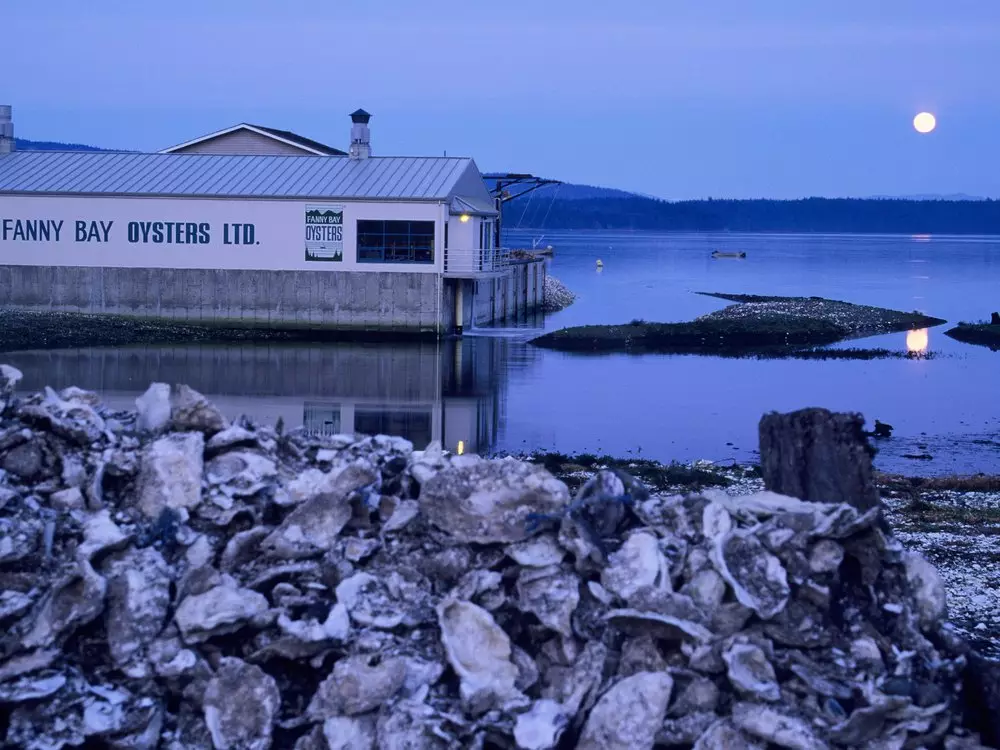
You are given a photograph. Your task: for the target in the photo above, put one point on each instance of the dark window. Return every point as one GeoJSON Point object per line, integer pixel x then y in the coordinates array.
{"type": "Point", "coordinates": [396, 241]}
{"type": "Point", "coordinates": [415, 426]}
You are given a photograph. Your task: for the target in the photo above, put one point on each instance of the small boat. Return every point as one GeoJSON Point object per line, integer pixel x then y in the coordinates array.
{"type": "Point", "coordinates": [726, 254]}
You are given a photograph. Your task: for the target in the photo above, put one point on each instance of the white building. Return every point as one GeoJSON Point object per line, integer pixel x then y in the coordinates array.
{"type": "Point", "coordinates": [257, 227]}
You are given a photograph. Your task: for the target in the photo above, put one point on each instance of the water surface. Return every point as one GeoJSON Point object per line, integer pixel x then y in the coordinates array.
{"type": "Point", "coordinates": [494, 392]}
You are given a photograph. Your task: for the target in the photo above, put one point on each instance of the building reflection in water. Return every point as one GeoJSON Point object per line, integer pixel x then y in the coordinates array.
{"type": "Point", "coordinates": [452, 391]}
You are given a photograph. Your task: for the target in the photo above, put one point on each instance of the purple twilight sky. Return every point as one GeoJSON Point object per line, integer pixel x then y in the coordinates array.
{"type": "Point", "coordinates": [723, 98]}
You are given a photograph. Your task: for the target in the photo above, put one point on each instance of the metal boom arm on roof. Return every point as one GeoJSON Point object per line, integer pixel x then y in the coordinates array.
{"type": "Point", "coordinates": [524, 183]}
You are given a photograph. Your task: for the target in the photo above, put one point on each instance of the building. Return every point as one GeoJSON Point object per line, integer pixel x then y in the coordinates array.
{"type": "Point", "coordinates": [257, 227]}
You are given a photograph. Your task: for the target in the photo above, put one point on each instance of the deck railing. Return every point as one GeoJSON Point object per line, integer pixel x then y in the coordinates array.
{"type": "Point", "coordinates": [465, 260]}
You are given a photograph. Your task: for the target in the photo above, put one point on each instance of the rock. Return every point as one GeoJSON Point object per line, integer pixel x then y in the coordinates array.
{"type": "Point", "coordinates": [928, 590]}
{"type": "Point", "coordinates": [775, 727]}
{"type": "Point", "coordinates": [826, 556]}
{"type": "Point", "coordinates": [637, 622]}
{"type": "Point", "coordinates": [349, 733]}
{"type": "Point", "coordinates": [629, 714]}
{"type": "Point", "coordinates": [722, 735]}
{"type": "Point", "coordinates": [751, 673]}
{"type": "Point", "coordinates": [153, 409]}
{"type": "Point", "coordinates": [170, 476]}
{"type": "Point", "coordinates": [555, 295]}
{"type": "Point", "coordinates": [31, 688]}
{"type": "Point", "coordinates": [336, 626]}
{"type": "Point", "coordinates": [539, 551]}
{"type": "Point", "coordinates": [700, 696]}
{"type": "Point", "coordinates": [637, 565]}
{"type": "Point", "coordinates": [376, 596]}
{"type": "Point", "coordinates": [357, 685]}
{"type": "Point", "coordinates": [230, 437]}
{"type": "Point", "coordinates": [551, 595]}
{"type": "Point", "coordinates": [757, 577]}
{"type": "Point", "coordinates": [313, 526]}
{"type": "Point", "coordinates": [222, 609]}
{"type": "Point", "coordinates": [76, 600]}
{"type": "Point", "coordinates": [541, 726]}
{"type": "Point", "coordinates": [73, 419]}
{"type": "Point", "coordinates": [189, 410]}
{"type": "Point", "coordinates": [68, 499]}
{"type": "Point", "coordinates": [243, 548]}
{"type": "Point", "coordinates": [241, 706]}
{"type": "Point", "coordinates": [9, 378]}
{"type": "Point", "coordinates": [138, 605]}
{"type": "Point", "coordinates": [384, 603]}
{"type": "Point", "coordinates": [479, 651]}
{"type": "Point", "coordinates": [24, 461]}
{"type": "Point", "coordinates": [240, 473]}
{"type": "Point", "coordinates": [490, 501]}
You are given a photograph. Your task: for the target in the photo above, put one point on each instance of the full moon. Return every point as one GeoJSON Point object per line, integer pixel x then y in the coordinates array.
{"type": "Point", "coordinates": [925, 122]}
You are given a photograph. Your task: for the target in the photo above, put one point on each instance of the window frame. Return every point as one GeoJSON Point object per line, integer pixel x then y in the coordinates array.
{"type": "Point", "coordinates": [394, 245]}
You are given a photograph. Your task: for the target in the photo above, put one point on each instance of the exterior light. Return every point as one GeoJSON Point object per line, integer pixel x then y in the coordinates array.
{"type": "Point", "coordinates": [463, 218]}
{"type": "Point", "coordinates": [461, 447]}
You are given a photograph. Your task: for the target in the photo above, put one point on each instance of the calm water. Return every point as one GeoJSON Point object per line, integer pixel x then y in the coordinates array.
{"type": "Point", "coordinates": [494, 392]}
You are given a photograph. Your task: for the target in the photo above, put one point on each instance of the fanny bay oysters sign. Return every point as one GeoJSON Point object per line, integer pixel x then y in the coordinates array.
{"type": "Point", "coordinates": [325, 232]}
{"type": "Point", "coordinates": [135, 232]}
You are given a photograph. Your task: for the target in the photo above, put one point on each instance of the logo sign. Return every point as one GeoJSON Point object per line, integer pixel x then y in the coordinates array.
{"type": "Point", "coordinates": [325, 232]}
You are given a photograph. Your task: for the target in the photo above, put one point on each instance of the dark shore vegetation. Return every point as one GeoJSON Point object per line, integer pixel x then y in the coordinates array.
{"type": "Point", "coordinates": [755, 325]}
{"type": "Point", "coordinates": [955, 483]}
{"type": "Point", "coordinates": [982, 334]}
{"type": "Point", "coordinates": [660, 477]}
{"type": "Point", "coordinates": [23, 330]}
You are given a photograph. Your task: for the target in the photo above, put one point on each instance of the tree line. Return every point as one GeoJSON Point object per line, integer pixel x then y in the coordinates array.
{"type": "Point", "coordinates": [888, 216]}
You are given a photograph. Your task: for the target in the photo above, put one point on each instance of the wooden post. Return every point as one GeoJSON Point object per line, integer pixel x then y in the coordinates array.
{"type": "Point", "coordinates": [818, 455]}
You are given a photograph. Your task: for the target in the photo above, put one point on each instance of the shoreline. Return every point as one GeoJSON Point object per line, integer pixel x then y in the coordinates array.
{"type": "Point", "coordinates": [26, 330]}
{"type": "Point", "coordinates": [978, 334]}
{"type": "Point", "coordinates": [754, 325]}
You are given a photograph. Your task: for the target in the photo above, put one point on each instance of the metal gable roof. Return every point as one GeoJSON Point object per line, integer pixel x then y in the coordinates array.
{"type": "Point", "coordinates": [286, 136]}
{"type": "Point", "coordinates": [231, 176]}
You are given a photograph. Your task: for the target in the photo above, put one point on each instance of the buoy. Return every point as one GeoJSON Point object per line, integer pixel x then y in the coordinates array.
{"type": "Point", "coordinates": [600, 263]}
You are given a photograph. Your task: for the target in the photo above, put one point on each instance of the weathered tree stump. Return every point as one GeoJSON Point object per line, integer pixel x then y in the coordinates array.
{"type": "Point", "coordinates": [995, 319]}
{"type": "Point", "coordinates": [818, 455]}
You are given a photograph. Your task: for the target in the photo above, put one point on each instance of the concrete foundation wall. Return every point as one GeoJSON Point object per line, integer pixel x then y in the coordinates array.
{"type": "Point", "coordinates": [517, 293]}
{"type": "Point", "coordinates": [394, 300]}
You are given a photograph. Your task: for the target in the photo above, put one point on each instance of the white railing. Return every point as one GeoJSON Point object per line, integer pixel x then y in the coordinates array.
{"type": "Point", "coordinates": [464, 260]}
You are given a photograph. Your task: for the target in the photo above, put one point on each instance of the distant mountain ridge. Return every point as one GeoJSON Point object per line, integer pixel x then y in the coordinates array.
{"type": "Point", "coordinates": [575, 206]}
{"type": "Point", "coordinates": [22, 144]}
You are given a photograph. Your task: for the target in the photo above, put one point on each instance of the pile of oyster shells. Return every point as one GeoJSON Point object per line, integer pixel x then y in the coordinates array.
{"type": "Point", "coordinates": [169, 578]}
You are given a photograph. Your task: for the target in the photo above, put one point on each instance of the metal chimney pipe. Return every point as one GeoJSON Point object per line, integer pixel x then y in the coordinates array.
{"type": "Point", "coordinates": [361, 139]}
{"type": "Point", "coordinates": [6, 129]}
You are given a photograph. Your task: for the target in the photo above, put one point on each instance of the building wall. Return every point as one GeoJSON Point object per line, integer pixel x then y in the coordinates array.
{"type": "Point", "coordinates": [244, 142]}
{"type": "Point", "coordinates": [121, 232]}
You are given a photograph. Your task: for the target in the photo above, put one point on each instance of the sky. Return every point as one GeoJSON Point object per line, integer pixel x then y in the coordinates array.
{"type": "Point", "coordinates": [673, 98]}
